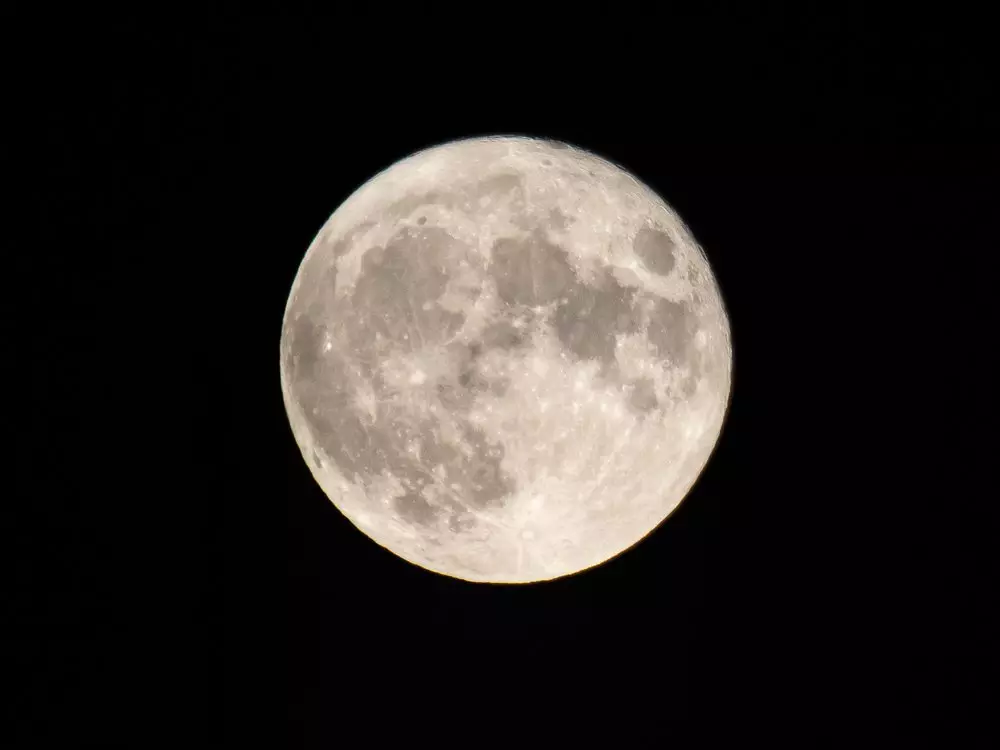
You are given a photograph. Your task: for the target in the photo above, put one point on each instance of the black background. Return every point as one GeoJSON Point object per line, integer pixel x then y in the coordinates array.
{"type": "Point", "coordinates": [177, 572]}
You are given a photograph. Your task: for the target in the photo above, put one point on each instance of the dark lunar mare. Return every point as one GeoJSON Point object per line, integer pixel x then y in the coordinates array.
{"type": "Point", "coordinates": [588, 317]}
{"type": "Point", "coordinates": [385, 313]}
{"type": "Point", "coordinates": [655, 249]}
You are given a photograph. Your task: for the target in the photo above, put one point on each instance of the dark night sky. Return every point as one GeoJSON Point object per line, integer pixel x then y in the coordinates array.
{"type": "Point", "coordinates": [177, 569]}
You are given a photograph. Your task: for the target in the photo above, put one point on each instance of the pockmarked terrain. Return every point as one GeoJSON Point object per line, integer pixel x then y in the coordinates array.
{"type": "Point", "coordinates": [505, 359]}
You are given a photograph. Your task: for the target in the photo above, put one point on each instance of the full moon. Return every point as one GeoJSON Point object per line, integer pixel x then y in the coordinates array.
{"type": "Point", "coordinates": [505, 359]}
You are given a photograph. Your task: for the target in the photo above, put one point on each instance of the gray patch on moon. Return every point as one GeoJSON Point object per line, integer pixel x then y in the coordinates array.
{"type": "Point", "coordinates": [590, 318]}
{"type": "Point", "coordinates": [656, 250]}
{"type": "Point", "coordinates": [558, 220]}
{"type": "Point", "coordinates": [504, 335]}
{"type": "Point", "coordinates": [473, 198]}
{"type": "Point", "coordinates": [531, 272]}
{"type": "Point", "coordinates": [466, 380]}
{"type": "Point", "coordinates": [344, 244]}
{"type": "Point", "coordinates": [482, 480]}
{"type": "Point", "coordinates": [690, 384]}
{"type": "Point", "coordinates": [302, 357]}
{"type": "Point", "coordinates": [317, 285]}
{"type": "Point", "coordinates": [393, 309]}
{"type": "Point", "coordinates": [455, 396]}
{"type": "Point", "coordinates": [406, 446]}
{"type": "Point", "coordinates": [459, 521]}
{"type": "Point", "coordinates": [470, 199]}
{"type": "Point", "coordinates": [499, 185]}
{"type": "Point", "coordinates": [587, 317]}
{"type": "Point", "coordinates": [388, 308]}
{"type": "Point", "coordinates": [642, 396]}
{"type": "Point", "coordinates": [672, 326]}
{"type": "Point", "coordinates": [415, 509]}
{"type": "Point", "coordinates": [322, 384]}
{"type": "Point", "coordinates": [406, 206]}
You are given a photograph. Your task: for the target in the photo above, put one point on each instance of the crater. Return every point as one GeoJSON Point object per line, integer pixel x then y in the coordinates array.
{"type": "Point", "coordinates": [656, 250]}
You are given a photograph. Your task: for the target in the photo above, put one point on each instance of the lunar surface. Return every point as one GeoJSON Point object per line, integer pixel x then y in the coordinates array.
{"type": "Point", "coordinates": [505, 359]}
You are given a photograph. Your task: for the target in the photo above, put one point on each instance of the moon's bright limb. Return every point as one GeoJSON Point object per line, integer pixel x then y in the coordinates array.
{"type": "Point", "coordinates": [505, 359]}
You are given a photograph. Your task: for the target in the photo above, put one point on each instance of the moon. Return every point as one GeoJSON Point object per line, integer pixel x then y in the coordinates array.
{"type": "Point", "coordinates": [505, 359]}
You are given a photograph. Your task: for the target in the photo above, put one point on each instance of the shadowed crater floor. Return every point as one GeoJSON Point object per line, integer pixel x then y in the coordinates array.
{"type": "Point", "coordinates": [655, 249]}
